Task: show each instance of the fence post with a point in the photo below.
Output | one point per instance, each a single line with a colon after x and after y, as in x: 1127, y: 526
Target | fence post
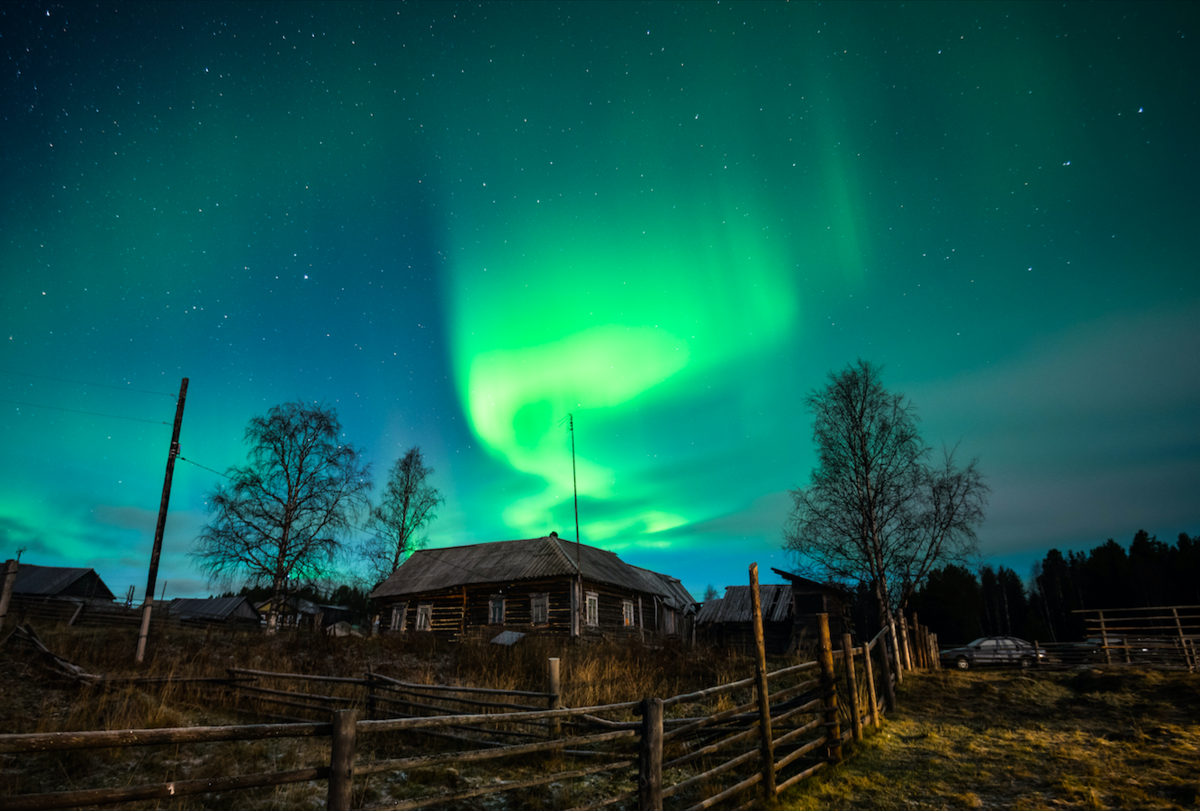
x: 370, y: 702
x: 935, y: 652
x: 889, y: 689
x: 1183, y: 648
x: 869, y: 673
x: 851, y: 686
x: 341, y: 760
x: 650, y: 797
x: 555, y: 700
x: 897, y: 659
x: 917, y: 647
x: 765, y: 743
x: 904, y: 653
x: 10, y: 577
x: 833, y: 728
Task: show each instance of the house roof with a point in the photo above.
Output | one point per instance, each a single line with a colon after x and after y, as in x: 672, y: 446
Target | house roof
x: 527, y: 559
x: 213, y: 608
x: 776, y: 600
x: 805, y: 584
x: 53, y: 581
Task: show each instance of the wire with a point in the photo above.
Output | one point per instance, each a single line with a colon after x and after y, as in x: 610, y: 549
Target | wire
x: 202, y: 467
x: 85, y: 383
x: 89, y: 413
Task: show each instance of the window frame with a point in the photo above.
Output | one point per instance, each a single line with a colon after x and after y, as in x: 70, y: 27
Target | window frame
x: 425, y: 617
x: 496, y: 617
x: 399, y: 617
x: 592, y: 609
x: 627, y: 615
x: 541, y: 601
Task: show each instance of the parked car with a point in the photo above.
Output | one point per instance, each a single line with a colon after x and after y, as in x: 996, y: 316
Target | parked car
x: 991, y: 650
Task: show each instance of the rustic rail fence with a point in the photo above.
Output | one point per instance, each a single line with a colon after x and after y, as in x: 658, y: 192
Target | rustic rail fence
x: 1161, y: 637
x: 691, y: 751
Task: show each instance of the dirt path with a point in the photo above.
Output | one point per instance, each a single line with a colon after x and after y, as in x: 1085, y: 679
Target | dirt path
x: 1003, y: 739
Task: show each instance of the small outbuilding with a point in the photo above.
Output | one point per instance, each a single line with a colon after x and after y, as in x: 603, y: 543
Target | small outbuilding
x: 229, y: 611
x: 544, y: 585
x: 59, y: 583
x: 728, y: 621
x: 57, y: 593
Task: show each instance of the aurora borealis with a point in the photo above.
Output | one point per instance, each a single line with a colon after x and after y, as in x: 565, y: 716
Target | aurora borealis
x: 459, y: 223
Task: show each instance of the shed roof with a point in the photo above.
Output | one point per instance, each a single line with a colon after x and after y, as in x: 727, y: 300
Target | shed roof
x: 527, y: 559
x: 52, y: 581
x: 805, y: 584
x: 213, y: 608
x: 776, y: 600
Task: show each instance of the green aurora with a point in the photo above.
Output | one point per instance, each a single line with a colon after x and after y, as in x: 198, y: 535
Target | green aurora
x: 461, y: 223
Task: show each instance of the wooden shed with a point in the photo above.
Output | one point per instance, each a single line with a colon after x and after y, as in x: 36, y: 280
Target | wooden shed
x: 729, y: 620
x: 229, y: 611
x: 811, y: 597
x: 544, y: 585
x: 57, y: 593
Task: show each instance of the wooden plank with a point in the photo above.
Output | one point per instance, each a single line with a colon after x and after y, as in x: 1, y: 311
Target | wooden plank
x: 766, y: 750
x: 713, y: 772
x: 55, y: 741
x: 650, y: 764
x: 727, y: 793
x: 159, y: 791
x: 269, y: 675
x: 430, y: 761
x: 393, y: 724
x: 460, y: 688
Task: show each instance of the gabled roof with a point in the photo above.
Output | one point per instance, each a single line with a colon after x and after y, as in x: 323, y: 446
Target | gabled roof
x: 775, y: 598
x: 527, y: 559
x: 57, y: 581
x: 804, y: 584
x: 213, y: 608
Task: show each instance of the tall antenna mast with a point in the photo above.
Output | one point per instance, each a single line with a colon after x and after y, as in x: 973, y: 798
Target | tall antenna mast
x: 575, y: 487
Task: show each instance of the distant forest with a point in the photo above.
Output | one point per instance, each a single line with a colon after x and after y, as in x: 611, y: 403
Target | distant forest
x: 960, y: 606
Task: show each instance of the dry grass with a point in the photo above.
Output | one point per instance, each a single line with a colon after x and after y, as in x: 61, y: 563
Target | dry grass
x: 1089, y: 739
x: 592, y: 674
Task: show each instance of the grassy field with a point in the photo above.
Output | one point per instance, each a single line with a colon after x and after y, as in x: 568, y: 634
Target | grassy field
x: 1094, y: 739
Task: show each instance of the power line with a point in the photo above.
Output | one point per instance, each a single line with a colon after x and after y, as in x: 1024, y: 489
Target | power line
x: 86, y: 383
x: 89, y: 413
x: 183, y: 458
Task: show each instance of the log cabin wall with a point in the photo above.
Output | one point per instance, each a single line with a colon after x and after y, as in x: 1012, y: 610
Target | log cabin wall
x: 466, y: 609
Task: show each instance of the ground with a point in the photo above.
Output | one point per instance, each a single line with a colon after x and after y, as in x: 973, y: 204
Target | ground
x: 1093, y: 739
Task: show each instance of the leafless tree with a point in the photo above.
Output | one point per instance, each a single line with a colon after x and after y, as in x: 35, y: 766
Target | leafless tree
x: 286, y: 513
x: 875, y: 512
x: 408, y: 505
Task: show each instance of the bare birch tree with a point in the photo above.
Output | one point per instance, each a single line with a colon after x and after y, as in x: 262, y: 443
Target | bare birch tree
x: 286, y: 513
x: 408, y: 505
x: 874, y: 511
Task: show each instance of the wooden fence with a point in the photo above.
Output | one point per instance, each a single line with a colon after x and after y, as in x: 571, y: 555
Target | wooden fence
x: 1163, y: 637
x: 765, y: 734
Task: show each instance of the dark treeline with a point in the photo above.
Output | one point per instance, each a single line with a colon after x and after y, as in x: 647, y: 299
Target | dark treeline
x: 961, y: 605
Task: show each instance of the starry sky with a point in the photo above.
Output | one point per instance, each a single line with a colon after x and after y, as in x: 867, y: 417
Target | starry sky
x: 457, y: 223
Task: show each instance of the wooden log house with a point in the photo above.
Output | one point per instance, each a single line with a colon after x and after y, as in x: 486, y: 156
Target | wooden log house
x: 542, y: 585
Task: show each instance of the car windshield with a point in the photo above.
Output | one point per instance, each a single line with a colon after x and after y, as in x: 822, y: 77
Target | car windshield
x: 978, y: 642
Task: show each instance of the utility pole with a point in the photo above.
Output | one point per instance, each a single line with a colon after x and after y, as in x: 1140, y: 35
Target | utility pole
x: 162, y: 522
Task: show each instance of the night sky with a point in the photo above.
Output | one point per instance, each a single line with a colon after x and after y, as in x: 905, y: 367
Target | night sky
x: 457, y: 223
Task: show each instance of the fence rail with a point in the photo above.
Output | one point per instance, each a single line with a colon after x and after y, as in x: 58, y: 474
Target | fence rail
x: 691, y: 761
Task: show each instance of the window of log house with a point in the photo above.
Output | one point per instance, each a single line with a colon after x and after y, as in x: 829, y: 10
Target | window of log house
x: 496, y: 610
x: 627, y: 612
x: 425, y: 617
x: 399, y: 616
x: 539, y: 608
x: 593, y: 609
